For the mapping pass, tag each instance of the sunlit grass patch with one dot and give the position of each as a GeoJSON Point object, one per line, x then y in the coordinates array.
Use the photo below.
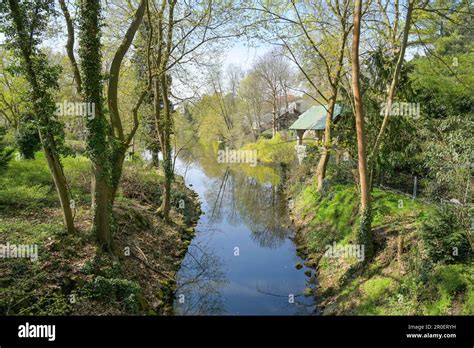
{"type": "Point", "coordinates": [447, 283]}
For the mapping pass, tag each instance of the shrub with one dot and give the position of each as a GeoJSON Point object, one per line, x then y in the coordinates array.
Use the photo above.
{"type": "Point", "coordinates": [27, 138]}
{"type": "Point", "coordinates": [5, 152]}
{"type": "Point", "coordinates": [274, 150]}
{"type": "Point", "coordinates": [22, 197]}
{"type": "Point", "coordinates": [114, 289]}
{"type": "Point", "coordinates": [444, 238]}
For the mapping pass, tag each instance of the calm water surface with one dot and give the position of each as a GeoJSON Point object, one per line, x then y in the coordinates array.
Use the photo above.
{"type": "Point", "coordinates": [241, 261]}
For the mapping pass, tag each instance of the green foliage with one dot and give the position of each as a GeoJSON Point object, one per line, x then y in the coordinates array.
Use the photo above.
{"type": "Point", "coordinates": [23, 197]}
{"type": "Point", "coordinates": [444, 237]}
{"type": "Point", "coordinates": [27, 138]}
{"type": "Point", "coordinates": [275, 150]}
{"type": "Point", "coordinates": [448, 157]}
{"type": "Point", "coordinates": [6, 154]}
{"type": "Point", "coordinates": [446, 284]}
{"type": "Point", "coordinates": [26, 184]}
{"type": "Point", "coordinates": [77, 170]}
{"type": "Point", "coordinates": [376, 287]}
{"type": "Point", "coordinates": [121, 291]}
{"type": "Point", "coordinates": [333, 216]}
{"type": "Point", "coordinates": [51, 304]}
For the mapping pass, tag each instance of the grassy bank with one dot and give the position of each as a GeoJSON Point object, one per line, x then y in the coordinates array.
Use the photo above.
{"type": "Point", "coordinates": [422, 264]}
{"type": "Point", "coordinates": [70, 276]}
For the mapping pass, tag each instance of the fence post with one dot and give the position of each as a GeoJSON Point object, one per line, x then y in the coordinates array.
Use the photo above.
{"type": "Point", "coordinates": [415, 184]}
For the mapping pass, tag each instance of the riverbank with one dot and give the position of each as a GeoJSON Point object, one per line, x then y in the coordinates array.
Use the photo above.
{"type": "Point", "coordinates": [69, 276]}
{"type": "Point", "coordinates": [422, 263]}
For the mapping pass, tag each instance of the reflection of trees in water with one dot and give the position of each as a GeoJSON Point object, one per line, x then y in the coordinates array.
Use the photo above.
{"type": "Point", "coordinates": [263, 208]}
{"type": "Point", "coordinates": [304, 305]}
{"type": "Point", "coordinates": [239, 198]}
{"type": "Point", "coordinates": [221, 196]}
{"type": "Point", "coordinates": [200, 280]}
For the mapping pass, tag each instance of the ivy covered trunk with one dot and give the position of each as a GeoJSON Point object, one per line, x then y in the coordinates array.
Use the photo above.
{"type": "Point", "coordinates": [102, 208]}
{"type": "Point", "coordinates": [98, 147]}
{"type": "Point", "coordinates": [167, 160]}
{"type": "Point", "coordinates": [42, 79]}
{"type": "Point", "coordinates": [364, 236]}
{"type": "Point", "coordinates": [163, 127]}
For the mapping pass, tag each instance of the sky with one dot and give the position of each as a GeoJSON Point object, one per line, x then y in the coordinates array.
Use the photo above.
{"type": "Point", "coordinates": [243, 55]}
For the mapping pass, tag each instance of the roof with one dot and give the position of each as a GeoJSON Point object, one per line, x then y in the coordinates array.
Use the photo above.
{"type": "Point", "coordinates": [315, 118]}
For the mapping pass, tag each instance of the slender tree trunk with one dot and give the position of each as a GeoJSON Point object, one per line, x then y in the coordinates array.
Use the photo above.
{"type": "Point", "coordinates": [274, 121]}
{"type": "Point", "coordinates": [97, 142]}
{"type": "Point", "coordinates": [60, 182]}
{"type": "Point", "coordinates": [365, 234]}
{"type": "Point", "coordinates": [119, 159]}
{"type": "Point", "coordinates": [392, 90]}
{"type": "Point", "coordinates": [70, 45]}
{"type": "Point", "coordinates": [167, 161]}
{"type": "Point", "coordinates": [41, 98]}
{"type": "Point", "coordinates": [324, 159]}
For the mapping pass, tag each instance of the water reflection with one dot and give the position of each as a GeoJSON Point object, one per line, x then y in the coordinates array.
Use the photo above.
{"type": "Point", "coordinates": [199, 282]}
{"type": "Point", "coordinates": [245, 211]}
{"type": "Point", "coordinates": [240, 199]}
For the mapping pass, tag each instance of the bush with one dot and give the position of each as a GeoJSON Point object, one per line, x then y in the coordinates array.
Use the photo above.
{"type": "Point", "coordinates": [114, 289]}
{"type": "Point", "coordinates": [21, 197]}
{"type": "Point", "coordinates": [27, 138]}
{"type": "Point", "coordinates": [142, 185]}
{"type": "Point", "coordinates": [444, 237]}
{"type": "Point", "coordinates": [6, 153]}
{"type": "Point", "coordinates": [274, 150]}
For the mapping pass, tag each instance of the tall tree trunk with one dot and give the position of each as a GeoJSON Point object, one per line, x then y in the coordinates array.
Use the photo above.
{"type": "Point", "coordinates": [365, 233]}
{"type": "Point", "coordinates": [324, 159]}
{"type": "Point", "coordinates": [70, 45]}
{"type": "Point", "coordinates": [60, 182]}
{"type": "Point", "coordinates": [97, 141]}
{"type": "Point", "coordinates": [42, 101]}
{"type": "Point", "coordinates": [392, 89]}
{"type": "Point", "coordinates": [167, 160]}
{"type": "Point", "coordinates": [118, 156]}
{"type": "Point", "coordinates": [102, 208]}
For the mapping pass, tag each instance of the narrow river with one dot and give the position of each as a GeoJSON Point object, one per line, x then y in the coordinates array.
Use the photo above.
{"type": "Point", "coordinates": [242, 260]}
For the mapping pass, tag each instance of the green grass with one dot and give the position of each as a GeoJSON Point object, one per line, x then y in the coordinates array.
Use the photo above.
{"type": "Point", "coordinates": [375, 288]}
{"type": "Point", "coordinates": [380, 289]}
{"type": "Point", "coordinates": [337, 209]}
{"type": "Point", "coordinates": [448, 282]}
{"type": "Point", "coordinates": [30, 214]}
{"type": "Point", "coordinates": [18, 231]}
{"type": "Point", "coordinates": [28, 185]}
{"type": "Point", "coordinates": [373, 292]}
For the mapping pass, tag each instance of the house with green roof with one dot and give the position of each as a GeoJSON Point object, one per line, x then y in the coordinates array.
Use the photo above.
{"type": "Point", "coordinates": [314, 119]}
